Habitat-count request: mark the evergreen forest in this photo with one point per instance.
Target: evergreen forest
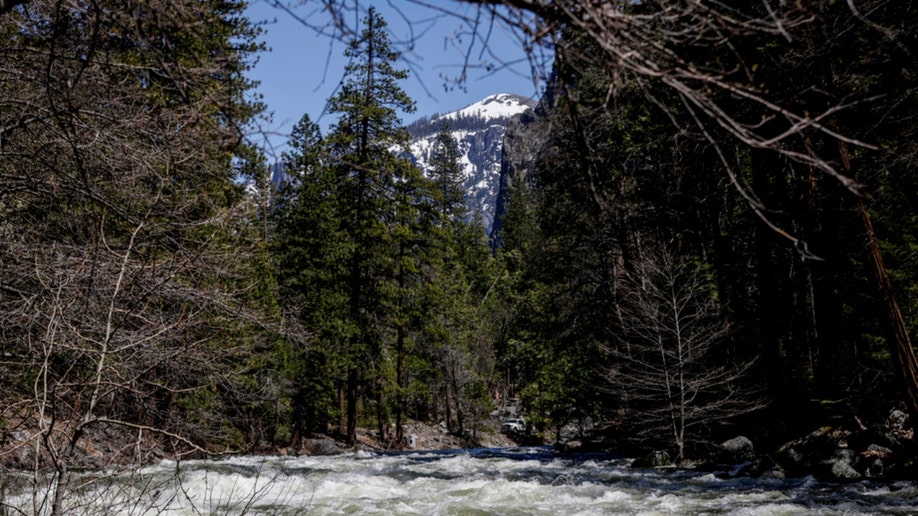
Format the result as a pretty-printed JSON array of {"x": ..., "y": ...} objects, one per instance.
[{"x": 710, "y": 231}]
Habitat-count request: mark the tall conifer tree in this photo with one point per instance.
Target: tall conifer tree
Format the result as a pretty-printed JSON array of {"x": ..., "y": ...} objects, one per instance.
[
  {"x": 311, "y": 253},
  {"x": 361, "y": 142}
]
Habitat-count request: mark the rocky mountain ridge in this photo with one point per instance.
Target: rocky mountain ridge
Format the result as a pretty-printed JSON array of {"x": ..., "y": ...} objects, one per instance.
[{"x": 479, "y": 130}]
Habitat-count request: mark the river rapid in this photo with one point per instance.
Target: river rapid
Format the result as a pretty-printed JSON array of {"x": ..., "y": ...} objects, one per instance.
[{"x": 518, "y": 481}]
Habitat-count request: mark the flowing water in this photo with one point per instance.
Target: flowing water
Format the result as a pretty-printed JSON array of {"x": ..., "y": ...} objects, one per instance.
[{"x": 517, "y": 481}]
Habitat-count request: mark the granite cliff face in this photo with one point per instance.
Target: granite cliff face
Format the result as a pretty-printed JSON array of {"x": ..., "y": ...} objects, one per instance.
[
  {"x": 479, "y": 130},
  {"x": 524, "y": 138}
]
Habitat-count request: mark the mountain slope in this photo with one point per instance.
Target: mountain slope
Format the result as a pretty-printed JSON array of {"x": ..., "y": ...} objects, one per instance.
[{"x": 479, "y": 129}]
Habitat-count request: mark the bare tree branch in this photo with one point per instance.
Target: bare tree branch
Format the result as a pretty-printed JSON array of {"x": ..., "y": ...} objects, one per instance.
[{"x": 668, "y": 369}]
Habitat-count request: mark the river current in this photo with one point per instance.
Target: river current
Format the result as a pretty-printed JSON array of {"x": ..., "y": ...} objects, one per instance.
[{"x": 513, "y": 481}]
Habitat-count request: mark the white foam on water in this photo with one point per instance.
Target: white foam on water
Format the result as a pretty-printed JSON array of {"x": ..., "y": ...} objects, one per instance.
[{"x": 523, "y": 481}]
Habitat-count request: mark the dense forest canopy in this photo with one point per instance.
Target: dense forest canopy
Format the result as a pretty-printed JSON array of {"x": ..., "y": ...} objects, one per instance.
[
  {"x": 803, "y": 109},
  {"x": 740, "y": 155}
]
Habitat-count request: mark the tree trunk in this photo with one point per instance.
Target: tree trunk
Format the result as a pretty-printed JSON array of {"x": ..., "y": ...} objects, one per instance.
[
  {"x": 900, "y": 345},
  {"x": 400, "y": 353},
  {"x": 382, "y": 422},
  {"x": 60, "y": 490},
  {"x": 400, "y": 385},
  {"x": 342, "y": 409},
  {"x": 449, "y": 401},
  {"x": 352, "y": 406},
  {"x": 459, "y": 429}
]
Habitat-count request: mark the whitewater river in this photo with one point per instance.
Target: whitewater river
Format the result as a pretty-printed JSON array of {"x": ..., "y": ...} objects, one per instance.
[{"x": 471, "y": 482}]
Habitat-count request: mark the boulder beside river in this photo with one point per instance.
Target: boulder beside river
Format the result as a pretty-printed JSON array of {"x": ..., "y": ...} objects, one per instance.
[
  {"x": 832, "y": 454},
  {"x": 829, "y": 453},
  {"x": 841, "y": 455}
]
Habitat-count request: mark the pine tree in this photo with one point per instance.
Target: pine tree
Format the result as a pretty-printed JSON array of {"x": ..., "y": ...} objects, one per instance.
[
  {"x": 360, "y": 142},
  {"x": 445, "y": 172},
  {"x": 311, "y": 250}
]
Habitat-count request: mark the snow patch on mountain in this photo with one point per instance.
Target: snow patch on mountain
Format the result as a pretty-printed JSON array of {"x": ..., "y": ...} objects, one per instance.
[
  {"x": 494, "y": 107},
  {"x": 479, "y": 130}
]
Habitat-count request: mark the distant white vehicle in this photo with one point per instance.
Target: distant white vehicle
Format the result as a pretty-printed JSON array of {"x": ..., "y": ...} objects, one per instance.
[{"x": 515, "y": 424}]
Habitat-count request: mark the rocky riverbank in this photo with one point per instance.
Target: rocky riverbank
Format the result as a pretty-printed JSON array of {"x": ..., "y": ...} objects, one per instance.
[
  {"x": 886, "y": 451},
  {"x": 101, "y": 446},
  {"x": 828, "y": 453}
]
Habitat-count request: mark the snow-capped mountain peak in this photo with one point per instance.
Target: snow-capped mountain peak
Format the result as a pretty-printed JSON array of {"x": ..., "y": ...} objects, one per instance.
[
  {"x": 497, "y": 106},
  {"x": 479, "y": 130}
]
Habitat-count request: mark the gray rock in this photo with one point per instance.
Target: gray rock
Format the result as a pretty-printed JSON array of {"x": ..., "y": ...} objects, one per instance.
[
  {"x": 872, "y": 467},
  {"x": 846, "y": 455},
  {"x": 690, "y": 464},
  {"x": 809, "y": 453},
  {"x": 481, "y": 148},
  {"x": 897, "y": 419},
  {"x": 322, "y": 447},
  {"x": 736, "y": 450},
  {"x": 654, "y": 459},
  {"x": 791, "y": 456},
  {"x": 842, "y": 470},
  {"x": 775, "y": 471},
  {"x": 874, "y": 461},
  {"x": 878, "y": 450},
  {"x": 764, "y": 467},
  {"x": 569, "y": 446}
]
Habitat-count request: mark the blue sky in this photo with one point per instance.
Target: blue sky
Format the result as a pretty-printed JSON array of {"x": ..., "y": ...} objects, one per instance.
[{"x": 302, "y": 69}]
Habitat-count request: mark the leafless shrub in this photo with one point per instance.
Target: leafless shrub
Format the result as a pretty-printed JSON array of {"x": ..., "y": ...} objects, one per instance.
[{"x": 670, "y": 370}]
